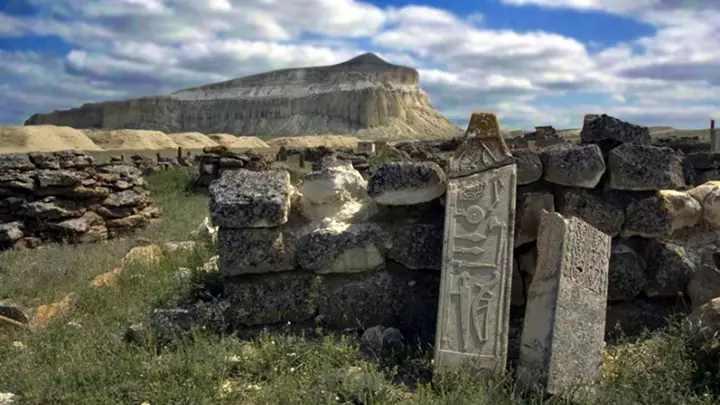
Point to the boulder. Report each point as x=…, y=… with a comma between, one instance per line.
x=610, y=129
x=407, y=183
x=249, y=199
x=577, y=166
x=341, y=248
x=11, y=231
x=417, y=246
x=626, y=274
x=529, y=166
x=669, y=270
x=603, y=214
x=705, y=282
x=704, y=324
x=338, y=193
x=528, y=207
x=708, y=195
x=384, y=344
x=265, y=250
x=661, y=214
x=643, y=167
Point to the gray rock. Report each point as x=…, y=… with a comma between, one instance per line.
x=529, y=166
x=577, y=166
x=342, y=248
x=79, y=225
x=12, y=231
x=272, y=298
x=407, y=183
x=643, y=167
x=165, y=326
x=249, y=199
x=15, y=162
x=649, y=217
x=244, y=251
x=607, y=128
x=626, y=274
x=603, y=214
x=705, y=282
x=74, y=159
x=53, y=209
x=125, y=198
x=59, y=178
x=704, y=325
x=632, y=318
x=418, y=246
x=127, y=171
x=668, y=269
x=17, y=180
x=528, y=207
x=44, y=160
x=384, y=344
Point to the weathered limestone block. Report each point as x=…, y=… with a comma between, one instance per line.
x=337, y=192
x=626, y=276
x=406, y=299
x=668, y=269
x=602, y=214
x=607, y=128
x=246, y=251
x=483, y=147
x=74, y=159
x=11, y=231
x=22, y=181
x=52, y=208
x=708, y=195
x=417, y=246
x=474, y=308
x=643, y=167
x=248, y=199
x=661, y=214
x=529, y=166
x=705, y=282
x=125, y=198
x=528, y=207
x=577, y=166
x=88, y=228
x=563, y=336
x=341, y=248
x=44, y=160
x=272, y=298
x=407, y=183
x=15, y=162
x=59, y=178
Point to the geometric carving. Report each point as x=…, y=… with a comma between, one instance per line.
x=483, y=148
x=563, y=335
x=473, y=312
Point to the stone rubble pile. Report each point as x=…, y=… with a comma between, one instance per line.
x=218, y=159
x=66, y=197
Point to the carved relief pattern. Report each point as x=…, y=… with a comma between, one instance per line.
x=473, y=155
x=587, y=257
x=474, y=264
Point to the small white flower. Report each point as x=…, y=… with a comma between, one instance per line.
x=18, y=344
x=292, y=369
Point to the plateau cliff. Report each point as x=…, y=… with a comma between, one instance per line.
x=365, y=96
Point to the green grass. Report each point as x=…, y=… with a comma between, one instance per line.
x=82, y=358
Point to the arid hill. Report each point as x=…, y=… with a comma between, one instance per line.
x=364, y=96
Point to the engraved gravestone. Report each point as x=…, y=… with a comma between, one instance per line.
x=563, y=336
x=474, y=307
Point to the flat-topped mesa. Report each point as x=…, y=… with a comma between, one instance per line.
x=363, y=95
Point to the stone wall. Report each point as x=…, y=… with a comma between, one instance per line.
x=66, y=197
x=353, y=254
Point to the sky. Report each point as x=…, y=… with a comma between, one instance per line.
x=533, y=62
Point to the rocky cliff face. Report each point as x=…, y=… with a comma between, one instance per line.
x=364, y=95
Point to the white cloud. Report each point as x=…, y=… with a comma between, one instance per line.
x=129, y=48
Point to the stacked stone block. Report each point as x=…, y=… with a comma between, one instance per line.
x=66, y=197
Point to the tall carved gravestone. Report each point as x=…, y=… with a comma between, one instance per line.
x=474, y=307
x=563, y=335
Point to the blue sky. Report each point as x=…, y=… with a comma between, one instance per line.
x=534, y=62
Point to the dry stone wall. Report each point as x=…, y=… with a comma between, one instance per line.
x=351, y=253
x=66, y=197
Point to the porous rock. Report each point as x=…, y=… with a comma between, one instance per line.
x=605, y=215
x=407, y=183
x=417, y=246
x=626, y=274
x=15, y=162
x=644, y=167
x=529, y=166
x=341, y=248
x=705, y=282
x=11, y=231
x=668, y=269
x=704, y=324
x=607, y=128
x=249, y=199
x=250, y=250
x=333, y=184
x=661, y=214
x=577, y=166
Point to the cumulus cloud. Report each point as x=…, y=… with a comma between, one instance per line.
x=129, y=48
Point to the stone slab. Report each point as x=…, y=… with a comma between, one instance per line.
x=247, y=251
x=476, y=277
x=483, y=147
x=563, y=335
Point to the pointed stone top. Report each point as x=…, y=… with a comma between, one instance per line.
x=483, y=147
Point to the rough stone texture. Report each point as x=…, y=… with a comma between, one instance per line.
x=626, y=276
x=248, y=199
x=364, y=95
x=705, y=324
x=563, y=336
x=341, y=248
x=407, y=183
x=577, y=166
x=268, y=299
x=483, y=147
x=643, y=167
x=417, y=246
x=661, y=214
x=668, y=269
x=256, y=250
x=474, y=307
x=705, y=282
x=631, y=318
x=607, y=128
x=529, y=166
x=603, y=214
x=528, y=207
x=708, y=195
x=338, y=192
x=65, y=197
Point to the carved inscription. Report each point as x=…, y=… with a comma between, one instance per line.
x=474, y=299
x=587, y=257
